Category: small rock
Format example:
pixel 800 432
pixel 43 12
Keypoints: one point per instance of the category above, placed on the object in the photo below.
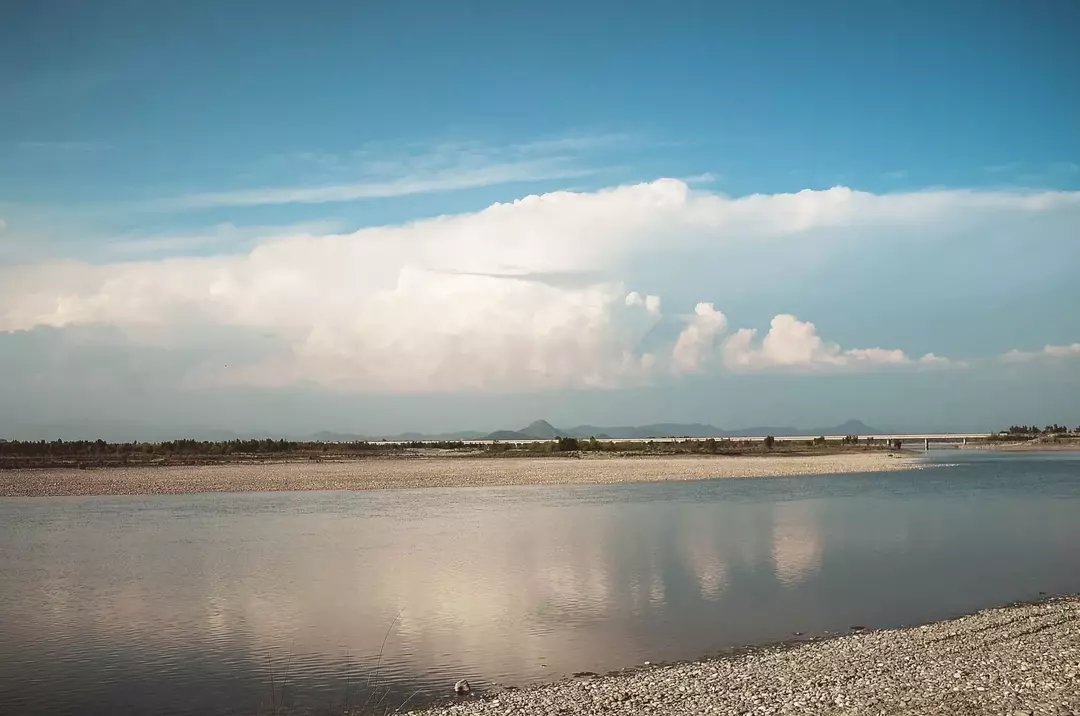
pixel 462 687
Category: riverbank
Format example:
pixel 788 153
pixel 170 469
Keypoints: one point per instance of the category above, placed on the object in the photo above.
pixel 1019 660
pixel 1032 446
pixel 383 474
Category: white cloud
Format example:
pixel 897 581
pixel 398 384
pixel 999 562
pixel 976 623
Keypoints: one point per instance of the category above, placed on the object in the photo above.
pixel 1048 352
pixel 433 332
pixel 936 361
pixel 223 238
pixel 695 344
pixel 527 294
pixel 650 303
pixel 792 344
pixel 1073 349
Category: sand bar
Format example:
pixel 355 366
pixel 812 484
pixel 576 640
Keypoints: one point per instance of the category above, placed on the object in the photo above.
pixel 381 474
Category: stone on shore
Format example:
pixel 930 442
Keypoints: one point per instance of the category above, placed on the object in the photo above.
pixel 1014 660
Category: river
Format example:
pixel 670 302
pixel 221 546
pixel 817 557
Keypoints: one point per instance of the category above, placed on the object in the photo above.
pixel 198 604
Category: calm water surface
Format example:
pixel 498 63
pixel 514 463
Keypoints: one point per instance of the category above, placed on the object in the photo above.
pixel 183 604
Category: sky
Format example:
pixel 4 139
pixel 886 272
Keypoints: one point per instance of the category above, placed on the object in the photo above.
pixel 382 216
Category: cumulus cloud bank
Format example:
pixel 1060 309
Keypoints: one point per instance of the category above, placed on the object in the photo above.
pixel 791 343
pixel 523 295
pixel 1047 353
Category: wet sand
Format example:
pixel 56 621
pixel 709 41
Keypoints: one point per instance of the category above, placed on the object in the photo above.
pixel 382 474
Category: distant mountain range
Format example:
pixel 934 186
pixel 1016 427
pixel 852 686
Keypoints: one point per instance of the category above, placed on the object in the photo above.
pixel 538 430
pixel 543 430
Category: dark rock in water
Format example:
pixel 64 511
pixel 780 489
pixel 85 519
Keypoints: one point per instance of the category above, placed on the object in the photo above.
pixel 582 674
pixel 462 687
pixel 858 627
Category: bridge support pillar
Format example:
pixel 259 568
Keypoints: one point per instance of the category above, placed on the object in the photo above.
pixel 926 444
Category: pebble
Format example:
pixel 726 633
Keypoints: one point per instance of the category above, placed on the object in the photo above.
pixel 391 473
pixel 1015 661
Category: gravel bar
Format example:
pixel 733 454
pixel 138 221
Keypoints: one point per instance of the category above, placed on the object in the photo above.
pixel 390 473
pixel 1016 661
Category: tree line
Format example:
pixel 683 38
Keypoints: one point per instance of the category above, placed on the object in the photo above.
pixel 1054 429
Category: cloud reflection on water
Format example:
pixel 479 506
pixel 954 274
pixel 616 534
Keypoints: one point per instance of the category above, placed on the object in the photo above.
pixel 162 596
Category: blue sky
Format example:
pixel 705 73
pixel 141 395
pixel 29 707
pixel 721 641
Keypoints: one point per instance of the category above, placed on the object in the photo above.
pixel 187 182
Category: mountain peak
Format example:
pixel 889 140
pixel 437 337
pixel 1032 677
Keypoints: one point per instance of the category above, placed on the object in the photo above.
pixel 540 429
pixel 854 427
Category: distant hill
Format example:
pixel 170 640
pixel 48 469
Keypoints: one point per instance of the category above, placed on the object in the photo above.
pixel 537 430
pixel 543 430
pixel 658 430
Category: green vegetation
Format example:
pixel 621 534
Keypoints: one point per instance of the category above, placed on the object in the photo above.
pixel 1023 433
pixel 1034 431
pixel 578 447
pixel 98 453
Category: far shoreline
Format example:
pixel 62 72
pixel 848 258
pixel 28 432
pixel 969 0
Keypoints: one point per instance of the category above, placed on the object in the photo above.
pixel 1070 446
pixel 435 472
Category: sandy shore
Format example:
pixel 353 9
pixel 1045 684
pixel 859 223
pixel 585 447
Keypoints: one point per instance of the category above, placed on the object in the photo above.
pixel 380 474
pixel 1015 661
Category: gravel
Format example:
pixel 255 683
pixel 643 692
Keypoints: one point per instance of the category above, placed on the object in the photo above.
pixel 1020 660
pixel 381 474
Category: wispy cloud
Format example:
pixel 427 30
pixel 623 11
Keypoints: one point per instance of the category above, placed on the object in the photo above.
pixel 449 180
pixel 380 171
pixel 703 178
pixel 895 174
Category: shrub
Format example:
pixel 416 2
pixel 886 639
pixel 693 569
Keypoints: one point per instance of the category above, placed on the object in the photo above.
pixel 567 445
